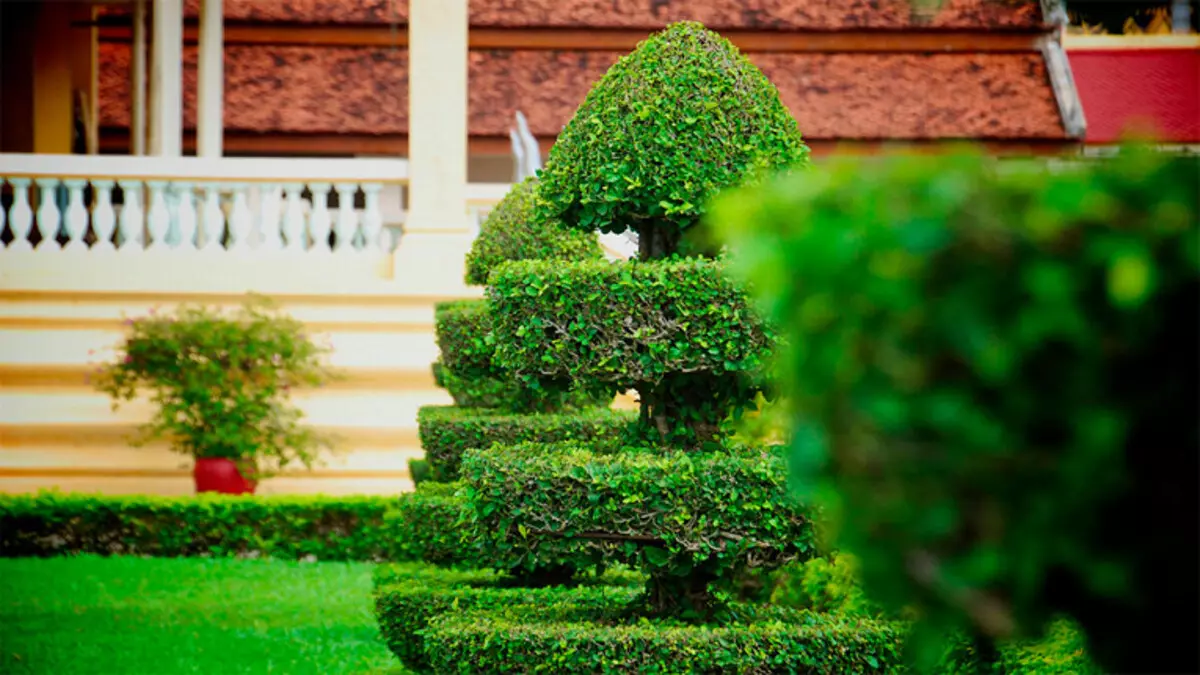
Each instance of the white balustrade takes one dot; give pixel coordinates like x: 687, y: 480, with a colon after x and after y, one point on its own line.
x: 104, y: 218
x: 190, y: 204
x: 318, y: 222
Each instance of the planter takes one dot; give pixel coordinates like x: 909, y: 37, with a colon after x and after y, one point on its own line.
x: 217, y: 474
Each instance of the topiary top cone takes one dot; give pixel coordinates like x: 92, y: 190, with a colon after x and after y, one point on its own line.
x: 682, y: 117
x: 511, y: 233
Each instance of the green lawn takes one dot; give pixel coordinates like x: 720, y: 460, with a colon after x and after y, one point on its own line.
x: 138, y: 615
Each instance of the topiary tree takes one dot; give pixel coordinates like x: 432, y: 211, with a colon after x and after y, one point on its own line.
x: 995, y: 372
x: 667, y: 127
x: 511, y: 232
x: 680, y: 118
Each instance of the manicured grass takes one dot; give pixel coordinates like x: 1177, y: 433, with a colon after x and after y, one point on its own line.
x: 141, y: 615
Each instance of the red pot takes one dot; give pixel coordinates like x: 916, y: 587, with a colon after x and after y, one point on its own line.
x: 217, y: 474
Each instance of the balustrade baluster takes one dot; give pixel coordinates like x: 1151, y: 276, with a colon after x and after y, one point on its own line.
x: 48, y: 215
x: 347, y: 220
x: 293, y: 218
x: 372, y: 219
x: 104, y: 219
x: 76, y: 221
x: 319, y: 222
x: 160, y: 217
x: 21, y: 217
x: 186, y: 217
x: 214, y: 219
x: 132, y: 222
x: 268, y: 216
x: 241, y: 221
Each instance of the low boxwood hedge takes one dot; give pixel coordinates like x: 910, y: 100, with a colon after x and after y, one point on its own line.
x: 448, y: 431
x: 288, y: 527
x: 484, y: 392
x: 670, y: 512
x: 408, y: 597
x: 571, y: 637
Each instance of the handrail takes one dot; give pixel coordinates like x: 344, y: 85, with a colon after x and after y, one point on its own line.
x: 242, y: 169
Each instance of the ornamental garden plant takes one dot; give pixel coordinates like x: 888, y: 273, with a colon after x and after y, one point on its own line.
x: 221, y: 383
x: 992, y: 369
x: 623, y: 555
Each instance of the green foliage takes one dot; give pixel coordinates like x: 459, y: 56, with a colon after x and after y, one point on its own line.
x: 824, y: 584
x: 1062, y: 652
x: 446, y: 431
x: 485, y: 392
x: 680, y: 516
x: 570, y: 637
x: 408, y: 597
x: 186, y: 616
x: 669, y: 125
x: 427, y: 525
x: 680, y: 332
x: 468, y: 347
x: 220, y: 383
x: 290, y: 527
x: 993, y: 373
x: 511, y: 232
x: 419, y: 470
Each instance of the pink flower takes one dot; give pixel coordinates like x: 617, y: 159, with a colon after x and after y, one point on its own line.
x: 128, y: 358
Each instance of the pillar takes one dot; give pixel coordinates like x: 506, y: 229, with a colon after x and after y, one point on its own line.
x: 137, y: 125
x: 166, y: 80
x: 210, y: 89
x: 436, y: 235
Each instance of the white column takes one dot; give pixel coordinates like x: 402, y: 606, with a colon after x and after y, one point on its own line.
x: 436, y: 235
x: 137, y: 126
x: 210, y: 89
x: 166, y: 80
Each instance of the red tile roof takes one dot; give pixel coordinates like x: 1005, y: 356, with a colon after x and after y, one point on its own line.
x: 651, y: 14
x: 834, y: 96
x: 1139, y: 90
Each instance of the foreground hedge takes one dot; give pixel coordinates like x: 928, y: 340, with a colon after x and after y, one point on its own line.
x: 289, y: 527
x: 408, y: 597
x: 671, y: 512
x: 447, y: 432
x: 571, y: 637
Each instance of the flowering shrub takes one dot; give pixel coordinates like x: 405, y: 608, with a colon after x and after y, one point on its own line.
x: 221, y: 382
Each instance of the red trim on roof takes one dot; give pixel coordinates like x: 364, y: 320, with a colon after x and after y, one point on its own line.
x: 1140, y: 90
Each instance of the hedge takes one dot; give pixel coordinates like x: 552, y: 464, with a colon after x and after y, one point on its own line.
x: 977, y: 343
x: 512, y: 233
x: 484, y: 392
x: 408, y: 597
x: 682, y: 117
x: 623, y: 325
x: 289, y: 527
x: 428, y: 525
x: 448, y: 431
x: 672, y: 513
x: 463, y: 329
x: 571, y: 637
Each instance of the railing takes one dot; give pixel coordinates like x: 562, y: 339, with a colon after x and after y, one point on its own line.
x: 188, y: 204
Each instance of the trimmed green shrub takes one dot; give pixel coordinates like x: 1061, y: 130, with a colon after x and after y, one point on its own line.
x: 689, y: 519
x: 408, y: 597
x: 483, y: 392
x: 995, y: 371
x: 447, y: 431
x: 680, y: 332
x: 428, y: 526
x: 289, y: 527
x: 824, y: 584
x: 419, y: 470
x: 571, y: 637
x: 463, y: 329
x: 511, y: 232
x: 668, y: 126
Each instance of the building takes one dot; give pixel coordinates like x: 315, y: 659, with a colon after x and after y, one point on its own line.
x: 343, y: 151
